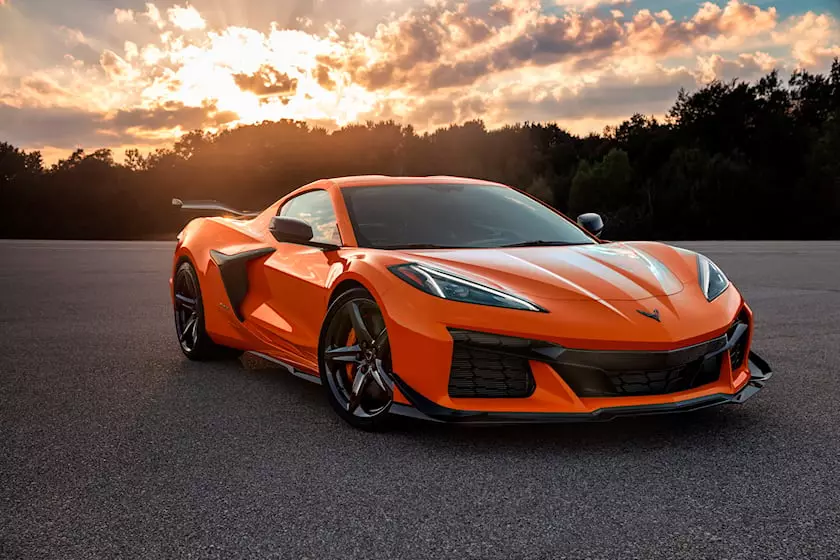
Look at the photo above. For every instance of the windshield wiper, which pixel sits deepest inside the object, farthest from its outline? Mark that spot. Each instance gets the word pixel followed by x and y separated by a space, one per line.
pixel 535 243
pixel 411 246
pixel 541 243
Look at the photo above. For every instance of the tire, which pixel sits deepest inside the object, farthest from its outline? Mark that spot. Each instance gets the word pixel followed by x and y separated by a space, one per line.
pixel 354 357
pixel 192 335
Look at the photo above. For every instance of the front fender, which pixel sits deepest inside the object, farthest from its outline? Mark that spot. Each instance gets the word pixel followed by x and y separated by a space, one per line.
pixel 371 271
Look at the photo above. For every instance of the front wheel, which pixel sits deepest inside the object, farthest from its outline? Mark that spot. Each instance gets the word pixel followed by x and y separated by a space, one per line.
pixel 355 361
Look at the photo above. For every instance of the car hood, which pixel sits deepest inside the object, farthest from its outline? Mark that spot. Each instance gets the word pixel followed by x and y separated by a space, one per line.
pixel 607 272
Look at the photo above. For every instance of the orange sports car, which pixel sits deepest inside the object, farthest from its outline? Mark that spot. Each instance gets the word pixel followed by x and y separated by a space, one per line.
pixel 459 300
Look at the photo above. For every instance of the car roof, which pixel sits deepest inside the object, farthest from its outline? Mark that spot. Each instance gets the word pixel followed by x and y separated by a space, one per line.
pixel 385 180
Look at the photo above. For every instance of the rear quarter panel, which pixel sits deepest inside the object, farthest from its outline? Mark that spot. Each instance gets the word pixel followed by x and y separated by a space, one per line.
pixel 195 242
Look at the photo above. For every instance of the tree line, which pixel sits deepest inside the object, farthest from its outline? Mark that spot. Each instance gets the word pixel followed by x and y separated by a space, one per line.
pixel 732 160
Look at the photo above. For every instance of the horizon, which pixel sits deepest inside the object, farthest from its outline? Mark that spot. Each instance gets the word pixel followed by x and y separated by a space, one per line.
pixel 138 75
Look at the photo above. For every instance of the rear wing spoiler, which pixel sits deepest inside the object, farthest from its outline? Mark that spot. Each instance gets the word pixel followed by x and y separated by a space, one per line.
pixel 212 207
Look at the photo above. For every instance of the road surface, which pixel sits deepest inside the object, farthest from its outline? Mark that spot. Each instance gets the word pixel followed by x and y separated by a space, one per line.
pixel 112 444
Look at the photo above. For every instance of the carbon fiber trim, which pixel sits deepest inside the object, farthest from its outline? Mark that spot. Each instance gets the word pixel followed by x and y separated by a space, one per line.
pixel 234 271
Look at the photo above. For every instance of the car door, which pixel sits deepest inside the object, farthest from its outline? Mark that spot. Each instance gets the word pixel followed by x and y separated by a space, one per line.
pixel 294 280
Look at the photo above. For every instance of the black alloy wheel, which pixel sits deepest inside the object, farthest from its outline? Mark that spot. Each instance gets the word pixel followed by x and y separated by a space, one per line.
pixel 193 339
pixel 355 361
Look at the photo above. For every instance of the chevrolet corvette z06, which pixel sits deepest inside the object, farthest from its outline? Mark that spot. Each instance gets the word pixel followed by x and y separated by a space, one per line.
pixel 459 300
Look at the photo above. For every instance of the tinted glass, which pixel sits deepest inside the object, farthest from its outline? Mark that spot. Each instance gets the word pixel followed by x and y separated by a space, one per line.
pixel 316 209
pixel 453 216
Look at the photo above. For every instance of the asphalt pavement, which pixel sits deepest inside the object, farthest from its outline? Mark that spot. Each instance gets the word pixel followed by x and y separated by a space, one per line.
pixel 112 444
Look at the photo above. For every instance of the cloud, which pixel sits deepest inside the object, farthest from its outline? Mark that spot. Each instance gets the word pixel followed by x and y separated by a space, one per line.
pixel 814 38
pixel 589 4
pixel 67 128
pixel 124 16
pixel 428 113
pixel 152 14
pixel 55 126
pixel 186 18
pixel 266 82
pixel 580 103
pixel 74 36
pixel 710 28
pixel 43 87
pixel 747 66
pixel 116 68
pixel 75 85
pixel 168 116
pixel 444 45
pixel 322 74
pixel 425 36
pixel 131 50
pixel 616 94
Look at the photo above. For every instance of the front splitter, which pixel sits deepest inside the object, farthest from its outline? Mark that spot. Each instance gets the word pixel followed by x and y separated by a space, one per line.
pixel 424 409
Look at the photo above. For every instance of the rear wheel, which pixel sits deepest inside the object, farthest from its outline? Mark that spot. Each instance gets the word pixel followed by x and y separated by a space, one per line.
pixel 193 339
pixel 355 361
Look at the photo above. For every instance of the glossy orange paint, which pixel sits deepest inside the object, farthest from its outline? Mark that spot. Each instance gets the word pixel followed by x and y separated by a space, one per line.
pixel 592 294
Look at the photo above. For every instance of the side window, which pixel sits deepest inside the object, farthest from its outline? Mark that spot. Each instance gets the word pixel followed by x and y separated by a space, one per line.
pixel 316 209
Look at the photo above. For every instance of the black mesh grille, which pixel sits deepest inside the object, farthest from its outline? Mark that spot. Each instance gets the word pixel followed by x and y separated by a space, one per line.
pixel 738 352
pixel 482 374
pixel 619 373
pixel 663 381
pixel 589 382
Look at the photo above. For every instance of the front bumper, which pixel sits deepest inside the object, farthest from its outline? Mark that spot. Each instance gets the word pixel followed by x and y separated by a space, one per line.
pixel 421 332
pixel 424 409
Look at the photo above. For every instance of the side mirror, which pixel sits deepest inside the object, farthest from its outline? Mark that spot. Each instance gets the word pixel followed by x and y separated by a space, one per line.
pixel 290 230
pixel 593 223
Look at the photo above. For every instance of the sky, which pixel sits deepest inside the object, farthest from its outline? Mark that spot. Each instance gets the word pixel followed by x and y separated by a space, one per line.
pixel 125 74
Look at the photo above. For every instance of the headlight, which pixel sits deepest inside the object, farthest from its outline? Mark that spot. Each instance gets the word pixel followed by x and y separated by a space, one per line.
pixel 713 281
pixel 445 285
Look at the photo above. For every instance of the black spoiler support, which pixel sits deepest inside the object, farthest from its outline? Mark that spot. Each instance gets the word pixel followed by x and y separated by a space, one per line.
pixel 212 207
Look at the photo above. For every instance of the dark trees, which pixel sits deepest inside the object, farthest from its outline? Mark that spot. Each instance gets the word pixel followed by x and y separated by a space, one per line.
pixel 731 160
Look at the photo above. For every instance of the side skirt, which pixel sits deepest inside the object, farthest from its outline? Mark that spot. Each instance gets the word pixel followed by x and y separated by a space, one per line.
pixel 291 369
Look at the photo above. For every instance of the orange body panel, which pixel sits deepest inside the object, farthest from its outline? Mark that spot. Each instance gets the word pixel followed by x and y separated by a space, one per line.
pixel 592 294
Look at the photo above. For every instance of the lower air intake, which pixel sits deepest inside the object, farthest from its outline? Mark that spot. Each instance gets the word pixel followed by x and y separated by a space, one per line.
pixel 592 373
pixel 481 374
pixel 586 382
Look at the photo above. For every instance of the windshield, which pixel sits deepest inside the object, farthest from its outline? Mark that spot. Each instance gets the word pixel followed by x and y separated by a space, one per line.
pixel 462 216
